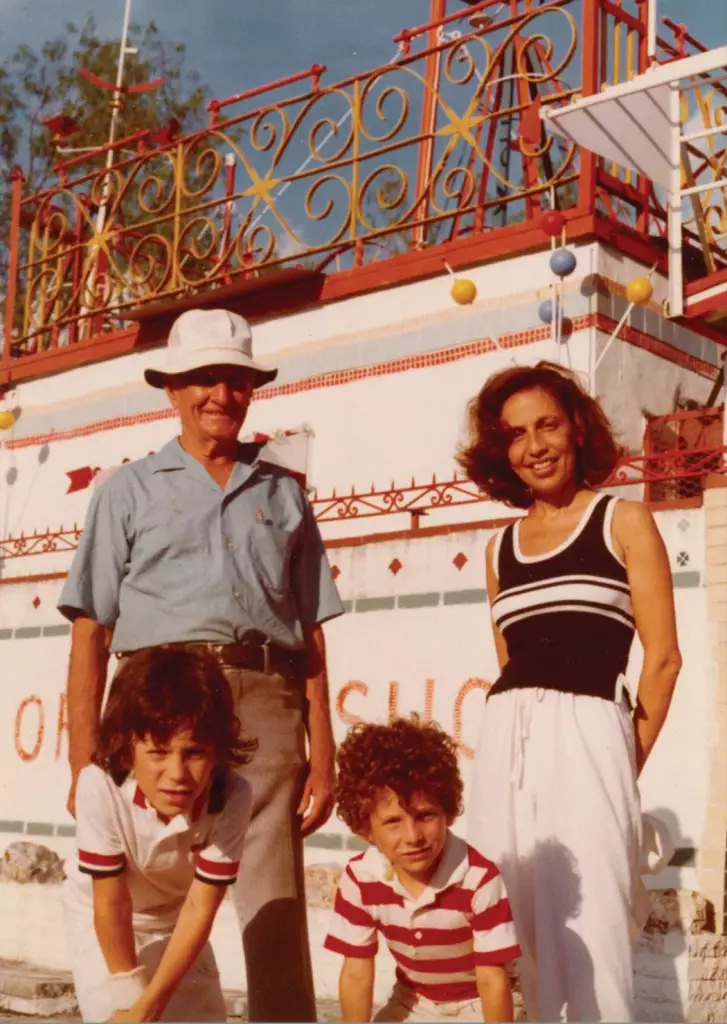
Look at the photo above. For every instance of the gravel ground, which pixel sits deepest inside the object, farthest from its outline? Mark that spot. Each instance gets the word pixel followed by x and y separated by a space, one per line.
pixel 328 1011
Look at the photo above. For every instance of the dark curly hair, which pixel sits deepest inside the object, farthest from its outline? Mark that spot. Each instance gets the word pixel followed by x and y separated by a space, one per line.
pixel 405 756
pixel 158 692
pixel 485 460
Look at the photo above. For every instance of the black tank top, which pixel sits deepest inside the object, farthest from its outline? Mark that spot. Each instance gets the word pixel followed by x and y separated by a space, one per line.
pixel 566 616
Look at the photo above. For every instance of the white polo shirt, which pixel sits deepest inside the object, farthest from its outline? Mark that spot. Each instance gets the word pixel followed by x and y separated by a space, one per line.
pixel 117 831
pixel 462 920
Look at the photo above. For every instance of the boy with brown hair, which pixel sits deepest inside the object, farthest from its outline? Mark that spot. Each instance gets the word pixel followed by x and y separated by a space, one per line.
pixel 440 905
pixel 161 817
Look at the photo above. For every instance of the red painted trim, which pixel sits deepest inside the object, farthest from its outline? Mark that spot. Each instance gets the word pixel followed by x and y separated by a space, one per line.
pixel 40 577
pixel 412 534
pixel 706 282
pixel 659 348
pixel 518 239
pixel 405 268
pixel 104 346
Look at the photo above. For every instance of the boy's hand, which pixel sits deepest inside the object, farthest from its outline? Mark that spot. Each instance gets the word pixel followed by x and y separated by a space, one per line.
pixel 126 1015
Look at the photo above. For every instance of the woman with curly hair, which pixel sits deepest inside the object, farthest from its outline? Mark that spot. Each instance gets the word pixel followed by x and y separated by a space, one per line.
pixel 161 817
pixel 555 799
pixel 439 904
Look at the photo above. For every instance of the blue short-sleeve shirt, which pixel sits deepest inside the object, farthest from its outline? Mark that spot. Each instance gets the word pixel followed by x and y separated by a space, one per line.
pixel 167 556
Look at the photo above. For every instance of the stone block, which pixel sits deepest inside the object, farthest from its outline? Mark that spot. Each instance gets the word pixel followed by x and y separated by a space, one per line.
pixel 707 946
pixel 321 882
pixel 716 514
pixel 717 537
pixel 716 574
pixel 715 498
pixel 31 862
pixel 680 910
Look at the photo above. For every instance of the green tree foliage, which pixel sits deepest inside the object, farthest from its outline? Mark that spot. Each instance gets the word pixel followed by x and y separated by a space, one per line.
pixel 39 83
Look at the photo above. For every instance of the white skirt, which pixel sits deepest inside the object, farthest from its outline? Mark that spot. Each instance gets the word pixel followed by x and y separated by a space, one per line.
pixel 555 805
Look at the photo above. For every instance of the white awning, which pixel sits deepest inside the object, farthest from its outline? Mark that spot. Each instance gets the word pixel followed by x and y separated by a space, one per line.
pixel 629 123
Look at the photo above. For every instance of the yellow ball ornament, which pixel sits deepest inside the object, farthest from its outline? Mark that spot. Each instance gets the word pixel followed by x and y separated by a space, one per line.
pixel 7 420
pixel 639 290
pixel 464 291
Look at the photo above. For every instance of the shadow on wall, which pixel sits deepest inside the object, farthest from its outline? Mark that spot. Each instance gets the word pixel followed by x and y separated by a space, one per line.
pixel 566 964
pixel 564 961
pixel 661 964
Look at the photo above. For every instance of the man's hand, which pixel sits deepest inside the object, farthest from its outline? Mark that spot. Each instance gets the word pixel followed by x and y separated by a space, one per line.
pixel 316 805
pixel 71 801
pixel 126 1015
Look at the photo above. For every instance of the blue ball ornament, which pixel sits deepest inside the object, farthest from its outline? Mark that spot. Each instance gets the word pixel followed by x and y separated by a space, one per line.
pixel 547 310
pixel 562 262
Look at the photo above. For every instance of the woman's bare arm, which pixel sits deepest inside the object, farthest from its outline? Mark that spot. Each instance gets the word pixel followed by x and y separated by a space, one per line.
pixel 638 541
pixel 493 589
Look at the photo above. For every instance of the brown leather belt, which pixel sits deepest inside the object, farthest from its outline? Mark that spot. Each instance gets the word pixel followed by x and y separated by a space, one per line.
pixel 263 657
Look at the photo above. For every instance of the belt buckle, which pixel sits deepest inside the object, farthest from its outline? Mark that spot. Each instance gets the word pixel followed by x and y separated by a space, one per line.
pixel 257 640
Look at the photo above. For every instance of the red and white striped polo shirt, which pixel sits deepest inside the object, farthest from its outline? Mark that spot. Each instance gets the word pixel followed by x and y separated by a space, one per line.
pixel 462 920
pixel 118 831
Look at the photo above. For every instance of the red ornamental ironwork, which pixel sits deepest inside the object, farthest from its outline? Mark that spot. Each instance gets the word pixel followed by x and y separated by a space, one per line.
pixel 415 498
pixel 670 477
pixel 40 543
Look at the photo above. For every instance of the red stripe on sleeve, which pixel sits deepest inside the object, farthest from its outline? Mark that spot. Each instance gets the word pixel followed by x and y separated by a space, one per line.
pixel 361 952
pixel 213 867
pixel 353 914
pixel 101 860
pixel 497 957
pixel 491 917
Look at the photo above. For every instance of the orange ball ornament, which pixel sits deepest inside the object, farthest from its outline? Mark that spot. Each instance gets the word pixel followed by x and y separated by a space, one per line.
pixel 639 290
pixel 464 291
pixel 7 419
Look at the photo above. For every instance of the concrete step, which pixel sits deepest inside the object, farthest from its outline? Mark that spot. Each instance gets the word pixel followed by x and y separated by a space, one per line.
pixel 29 991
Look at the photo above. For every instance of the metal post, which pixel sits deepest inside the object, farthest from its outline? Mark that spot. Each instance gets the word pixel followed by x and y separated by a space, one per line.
pixel 676 284
pixel 17 178
pixel 438 11
pixel 115 107
pixel 651 32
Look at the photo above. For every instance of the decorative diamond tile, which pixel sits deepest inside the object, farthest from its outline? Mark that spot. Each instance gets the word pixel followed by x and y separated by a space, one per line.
pixel 335 572
pixel 682 559
pixel 36 602
pixel 395 566
pixel 460 560
pixel 683 525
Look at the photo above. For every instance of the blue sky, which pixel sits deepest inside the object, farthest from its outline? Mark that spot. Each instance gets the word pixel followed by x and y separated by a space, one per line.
pixel 237 44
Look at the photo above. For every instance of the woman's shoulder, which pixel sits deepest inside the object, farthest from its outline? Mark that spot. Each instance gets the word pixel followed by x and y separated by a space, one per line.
pixel 631 516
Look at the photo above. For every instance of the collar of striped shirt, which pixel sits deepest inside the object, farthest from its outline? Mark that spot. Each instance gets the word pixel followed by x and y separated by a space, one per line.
pixel 451 870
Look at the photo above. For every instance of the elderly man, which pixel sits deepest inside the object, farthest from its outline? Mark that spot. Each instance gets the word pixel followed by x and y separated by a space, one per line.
pixel 205 545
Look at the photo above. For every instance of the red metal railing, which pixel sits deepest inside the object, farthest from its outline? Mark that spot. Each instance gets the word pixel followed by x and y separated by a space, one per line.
pixel 669 478
pixel 435 147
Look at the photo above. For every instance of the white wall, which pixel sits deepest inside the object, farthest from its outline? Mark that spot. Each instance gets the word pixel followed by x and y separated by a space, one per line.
pixel 429 658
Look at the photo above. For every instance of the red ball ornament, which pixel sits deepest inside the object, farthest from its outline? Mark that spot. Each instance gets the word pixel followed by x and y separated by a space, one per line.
pixel 552 223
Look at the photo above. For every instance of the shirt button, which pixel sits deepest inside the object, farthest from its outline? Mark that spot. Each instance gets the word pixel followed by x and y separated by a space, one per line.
pixel 418 935
pixel 228 543
pixel 236 594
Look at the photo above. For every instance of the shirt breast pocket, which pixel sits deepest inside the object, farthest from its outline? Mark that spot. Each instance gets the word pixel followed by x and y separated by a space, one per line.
pixel 271 546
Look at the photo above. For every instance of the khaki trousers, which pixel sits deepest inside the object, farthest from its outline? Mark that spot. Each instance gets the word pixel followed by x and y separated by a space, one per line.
pixel 270 893
pixel 405 1005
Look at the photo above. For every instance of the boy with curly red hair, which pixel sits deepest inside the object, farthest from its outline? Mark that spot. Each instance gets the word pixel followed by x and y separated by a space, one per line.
pixel 440 905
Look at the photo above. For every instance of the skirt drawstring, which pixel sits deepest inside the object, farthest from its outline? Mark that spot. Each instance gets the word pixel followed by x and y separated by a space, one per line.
pixel 521 733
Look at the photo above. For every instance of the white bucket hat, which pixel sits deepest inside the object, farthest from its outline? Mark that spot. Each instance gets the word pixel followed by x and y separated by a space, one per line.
pixel 207 337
